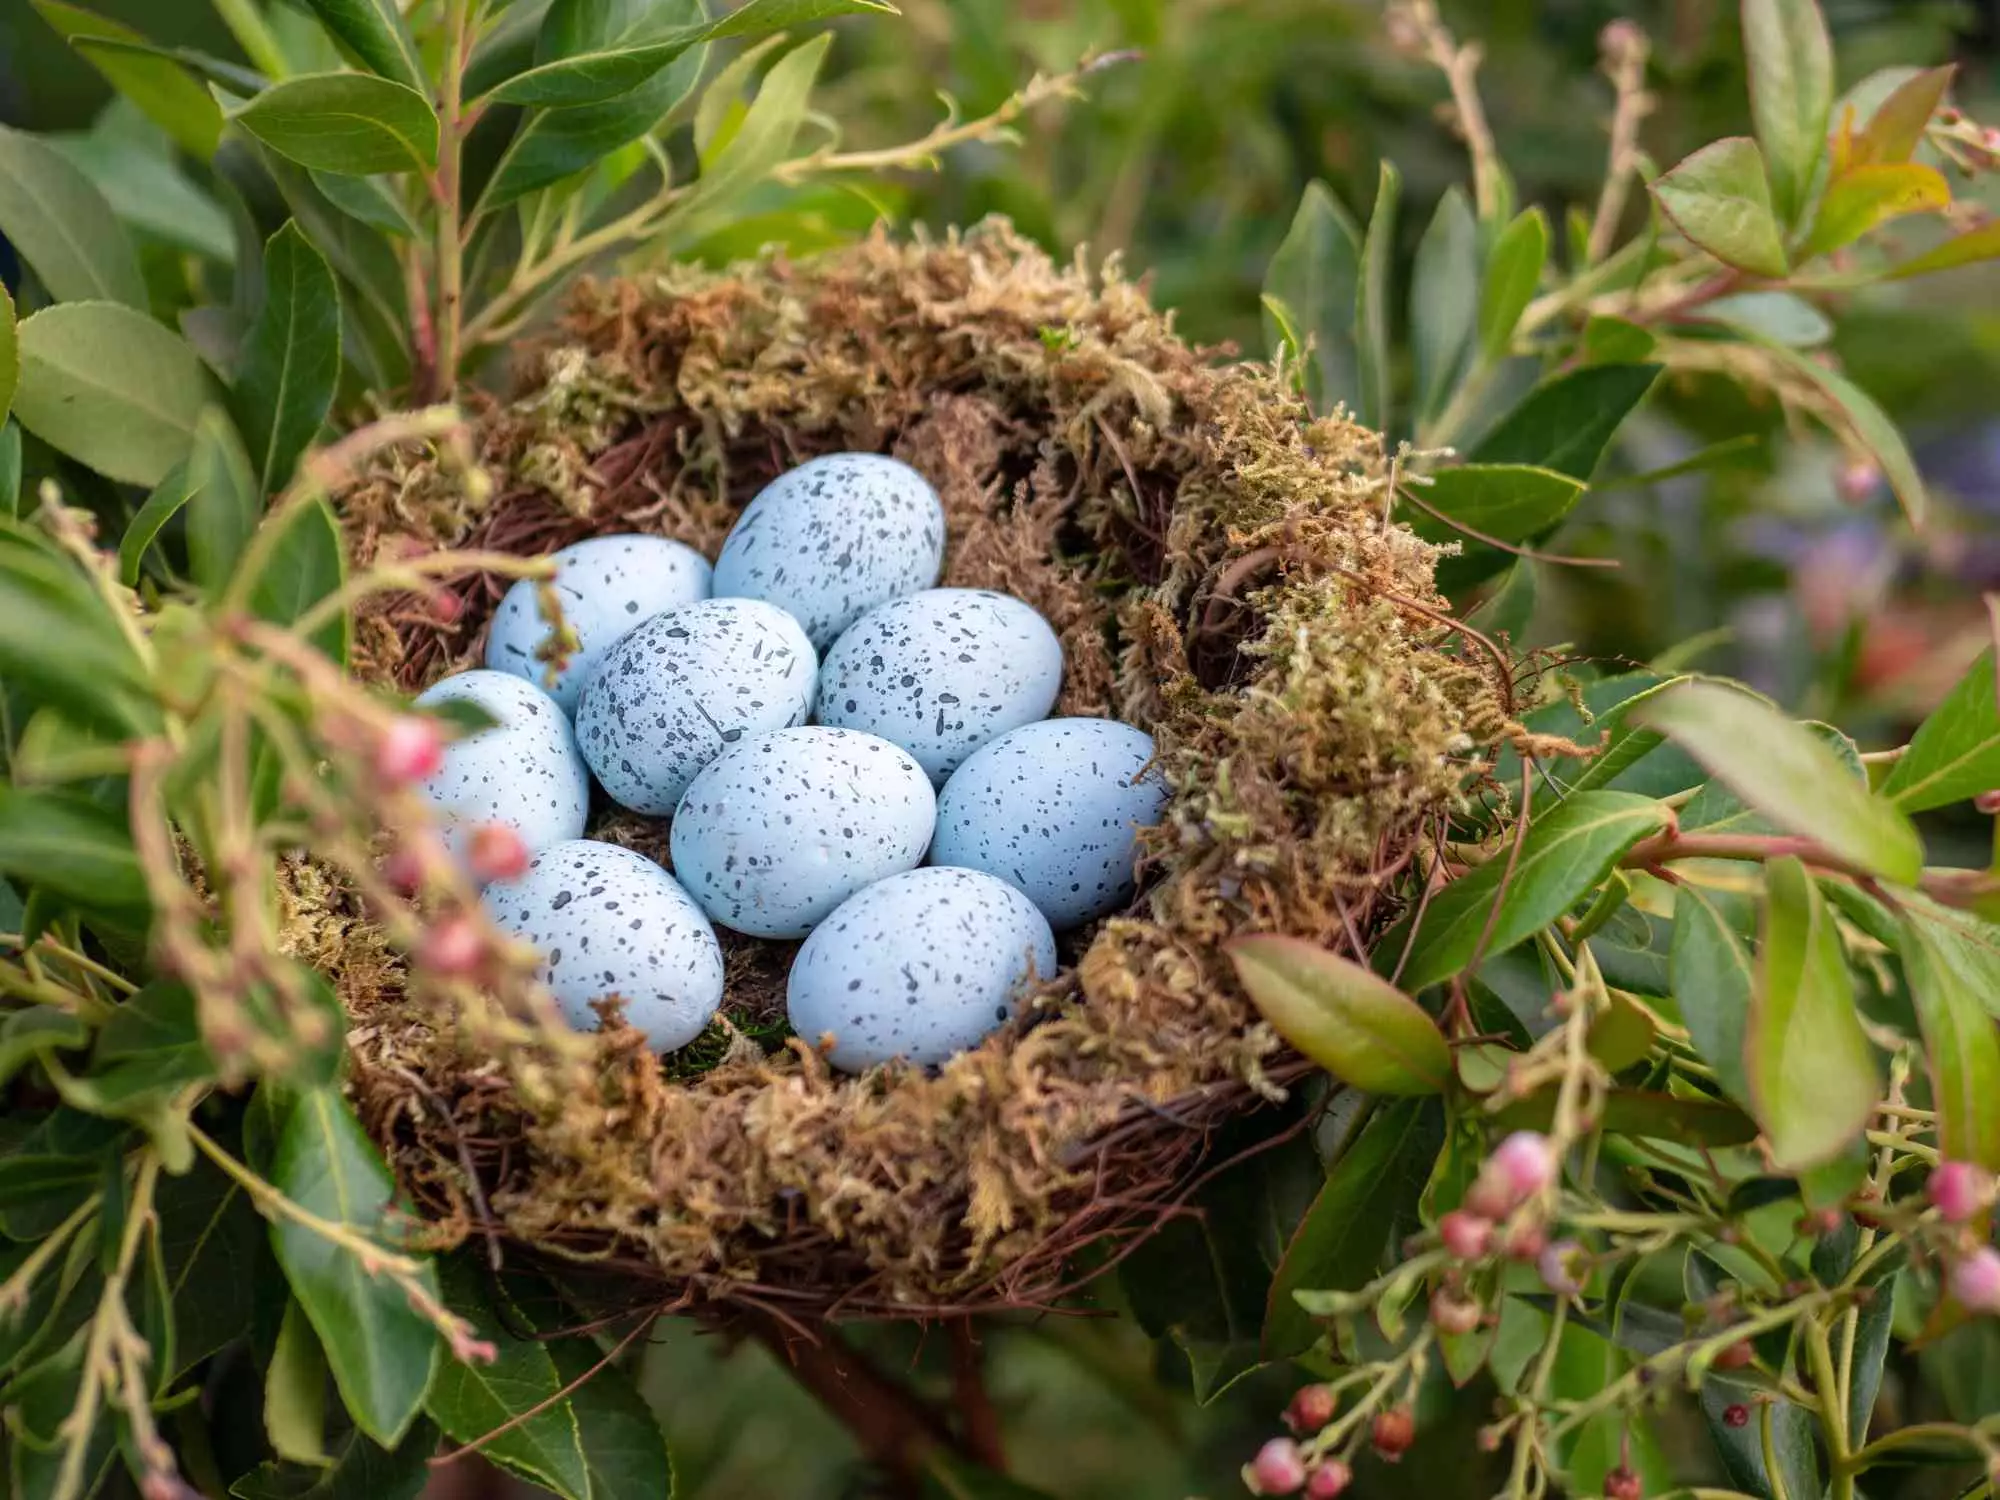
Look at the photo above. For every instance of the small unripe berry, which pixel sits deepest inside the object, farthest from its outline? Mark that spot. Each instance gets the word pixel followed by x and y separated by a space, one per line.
pixel 1329 1480
pixel 1453 1313
pixel 1622 1484
pixel 1987 802
pixel 453 948
pixel 446 607
pixel 1958 1190
pixel 1488 1198
pixel 1392 1433
pixel 1311 1408
pixel 1736 1356
pixel 404 871
pixel 1975 1280
pixel 1520 1167
pixel 1277 1469
pixel 411 749
pixel 1557 1266
pixel 1466 1236
pixel 1737 1415
pixel 1525 1241
pixel 496 852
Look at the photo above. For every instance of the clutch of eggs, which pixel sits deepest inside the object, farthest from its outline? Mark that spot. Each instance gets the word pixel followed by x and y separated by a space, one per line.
pixel 691 688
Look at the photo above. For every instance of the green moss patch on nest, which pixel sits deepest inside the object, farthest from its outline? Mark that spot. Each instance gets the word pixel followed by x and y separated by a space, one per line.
pixel 1218 567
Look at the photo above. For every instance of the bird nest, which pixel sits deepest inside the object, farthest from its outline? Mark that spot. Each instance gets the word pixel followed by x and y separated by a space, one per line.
pixel 1218 565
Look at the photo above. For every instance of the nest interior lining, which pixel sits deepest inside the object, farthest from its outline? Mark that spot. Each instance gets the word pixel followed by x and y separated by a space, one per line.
pixel 1216 565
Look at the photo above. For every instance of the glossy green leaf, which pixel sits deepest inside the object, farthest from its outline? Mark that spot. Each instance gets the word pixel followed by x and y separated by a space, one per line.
pixel 290 362
pixel 1717 809
pixel 1444 301
pixel 1778 1428
pixel 1719 198
pixel 74 848
pixel 1955 753
pixel 1357 1026
pixel 60 642
pixel 1316 275
pixel 1513 273
pixel 160 86
pixel 1857 414
pixel 1615 341
pixel 1714 982
pixel 381 1352
pixel 295 1392
pixel 1566 422
pixel 1896 129
pixel 1569 849
pixel 10 469
pixel 1790 59
pixel 624 1451
pixel 62 227
pixel 224 500
pixel 361 1470
pixel 111 388
pixel 1952 983
pixel 1967 249
pixel 1864 198
pixel 1786 772
pixel 133 166
pixel 590 51
pixel 345 122
pixel 305 566
pixel 1780 317
pixel 168 496
pixel 1339 1243
pixel 1813 1079
pixel 372 200
pixel 1371 313
pixel 27 1034
pixel 233 77
pixel 211 1242
pixel 1472 503
pixel 374 33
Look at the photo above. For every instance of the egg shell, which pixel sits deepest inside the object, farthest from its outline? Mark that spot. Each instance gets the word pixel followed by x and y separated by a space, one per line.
pixel 919 966
pixel 685 686
pixel 608 585
pixel 523 772
pixel 1055 808
pixel 779 830
pixel 833 538
pixel 609 921
pixel 941 673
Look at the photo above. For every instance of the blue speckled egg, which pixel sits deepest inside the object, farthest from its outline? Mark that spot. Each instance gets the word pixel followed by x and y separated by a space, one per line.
pixel 834 538
pixel 779 830
pixel 942 672
pixel 1055 808
pixel 685 686
pixel 917 966
pixel 523 772
pixel 607 584
pixel 612 922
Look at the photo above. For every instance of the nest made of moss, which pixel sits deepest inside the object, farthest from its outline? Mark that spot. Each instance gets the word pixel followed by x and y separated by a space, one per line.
pixel 1219 568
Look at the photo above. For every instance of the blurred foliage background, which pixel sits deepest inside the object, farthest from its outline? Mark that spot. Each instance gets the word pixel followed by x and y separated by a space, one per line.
pixel 1187 161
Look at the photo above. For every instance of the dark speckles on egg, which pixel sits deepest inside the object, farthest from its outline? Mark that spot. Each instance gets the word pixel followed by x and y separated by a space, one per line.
pixel 523 772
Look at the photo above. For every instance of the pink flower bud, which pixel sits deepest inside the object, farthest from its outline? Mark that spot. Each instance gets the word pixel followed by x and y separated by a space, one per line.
pixel 1858 479
pixel 1987 802
pixel 1452 1313
pixel 453 948
pixel 404 871
pixel 1556 1266
pixel 496 852
pixel 1329 1480
pixel 1277 1469
pixel 410 750
pixel 1466 1236
pixel 1958 1190
pixel 1488 1197
pixel 1525 1162
pixel 1975 1280
pixel 1622 1484
pixel 1312 1407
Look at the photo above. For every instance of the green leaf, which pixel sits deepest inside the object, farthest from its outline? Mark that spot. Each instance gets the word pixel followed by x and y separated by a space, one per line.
pixel 224 501
pixel 62 227
pixel 1897 127
pixel 1951 983
pixel 470 1401
pixel 1512 503
pixel 1955 753
pixel 60 642
pixel 10 377
pixel 361 1470
pixel 1615 341
pixel 381 1352
pixel 369 199
pixel 1863 198
pixel 1316 275
pixel 305 566
pixel 1444 301
pixel 295 1392
pixel 10 466
pixel 1813 1080
pixel 1778 1427
pixel 1869 426
pixel 585 56
pixel 1790 60
pixel 1719 198
pixel 1780 317
pixel 374 34
pixel 1358 1027
pixel 345 122
pixel 211 1241
pixel 111 388
pixel 75 849
pixel 1966 249
pixel 28 1034
pixel 168 496
pixel 1717 809
pixel 1513 272
pixel 161 87
pixel 1371 313
pixel 1567 852
pixel 1696 1123
pixel 133 166
pixel 1566 423
pixel 1339 1243
pixel 291 361
pixel 1714 982
pixel 1787 773
pixel 624 1451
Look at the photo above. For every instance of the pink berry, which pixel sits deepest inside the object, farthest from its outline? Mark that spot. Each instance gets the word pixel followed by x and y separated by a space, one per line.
pixel 1466 1236
pixel 1328 1480
pixel 1525 1163
pixel 1987 802
pixel 1277 1469
pixel 410 750
pixel 1312 1407
pixel 496 852
pixel 404 871
pixel 1555 1265
pixel 1858 479
pixel 1958 1190
pixel 1975 1280
pixel 453 948
pixel 1452 1313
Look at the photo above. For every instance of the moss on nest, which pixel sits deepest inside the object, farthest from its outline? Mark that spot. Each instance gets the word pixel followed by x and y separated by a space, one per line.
pixel 1218 567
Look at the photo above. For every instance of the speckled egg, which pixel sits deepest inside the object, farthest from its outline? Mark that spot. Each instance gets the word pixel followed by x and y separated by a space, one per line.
pixel 609 922
pixel 832 539
pixel 607 584
pixel 917 966
pixel 942 672
pixel 1055 808
pixel 523 772
pixel 779 830
pixel 685 686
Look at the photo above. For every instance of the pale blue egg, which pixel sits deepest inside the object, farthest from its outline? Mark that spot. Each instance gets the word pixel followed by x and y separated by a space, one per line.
pixel 608 585
pixel 607 922
pixel 685 686
pixel 942 672
pixel 832 539
pixel 1055 808
pixel 523 772
pixel 918 966
pixel 776 832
